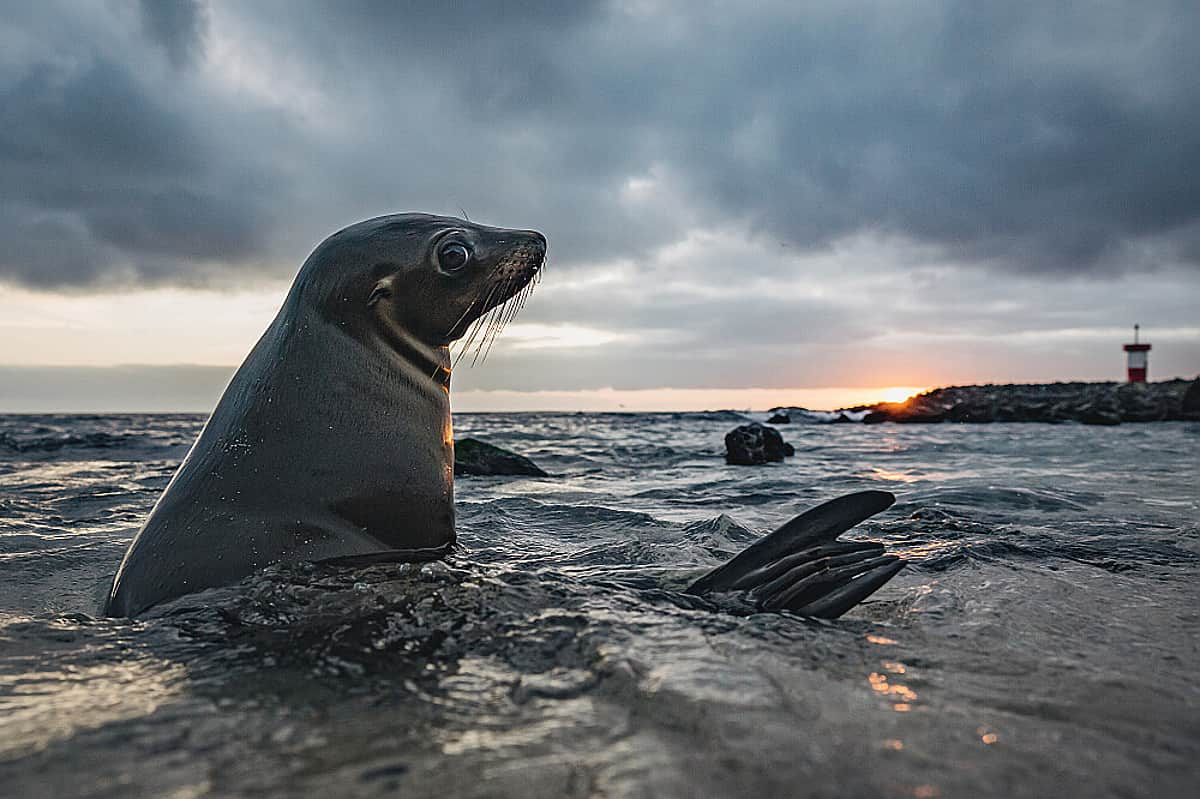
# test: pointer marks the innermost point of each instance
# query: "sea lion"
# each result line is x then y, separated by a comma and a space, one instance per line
333, 439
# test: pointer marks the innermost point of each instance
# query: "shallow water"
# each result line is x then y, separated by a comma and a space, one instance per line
1043, 641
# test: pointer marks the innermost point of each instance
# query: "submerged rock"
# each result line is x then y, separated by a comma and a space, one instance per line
780, 418
475, 457
754, 444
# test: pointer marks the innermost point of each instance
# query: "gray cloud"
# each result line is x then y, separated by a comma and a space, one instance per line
111, 171
1013, 164
1055, 139
178, 26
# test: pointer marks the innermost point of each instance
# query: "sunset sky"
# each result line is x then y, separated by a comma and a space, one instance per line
747, 204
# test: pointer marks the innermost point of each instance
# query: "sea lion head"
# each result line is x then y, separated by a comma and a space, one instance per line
417, 276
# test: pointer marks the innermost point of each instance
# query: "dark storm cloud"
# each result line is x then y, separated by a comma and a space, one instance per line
119, 179
109, 170
178, 26
1040, 138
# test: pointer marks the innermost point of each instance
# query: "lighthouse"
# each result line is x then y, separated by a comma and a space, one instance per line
1137, 358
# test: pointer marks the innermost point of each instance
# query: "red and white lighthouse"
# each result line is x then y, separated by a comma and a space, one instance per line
1138, 358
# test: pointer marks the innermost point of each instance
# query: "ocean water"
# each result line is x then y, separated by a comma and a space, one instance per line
1044, 640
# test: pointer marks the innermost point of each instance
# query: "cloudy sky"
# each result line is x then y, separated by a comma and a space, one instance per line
747, 203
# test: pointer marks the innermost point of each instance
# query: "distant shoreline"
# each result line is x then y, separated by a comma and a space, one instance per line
1108, 403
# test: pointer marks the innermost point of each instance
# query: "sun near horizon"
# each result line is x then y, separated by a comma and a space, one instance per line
900, 393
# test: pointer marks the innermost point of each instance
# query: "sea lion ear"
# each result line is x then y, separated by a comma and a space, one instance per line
382, 290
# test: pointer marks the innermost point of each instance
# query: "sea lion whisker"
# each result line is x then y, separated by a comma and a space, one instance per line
478, 324
488, 335
473, 330
476, 327
525, 293
502, 311
470, 307
466, 341
488, 326
511, 308
492, 317
502, 318
522, 296
483, 306
506, 293
495, 333
514, 304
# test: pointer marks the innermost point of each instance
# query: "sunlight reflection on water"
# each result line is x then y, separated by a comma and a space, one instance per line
42, 705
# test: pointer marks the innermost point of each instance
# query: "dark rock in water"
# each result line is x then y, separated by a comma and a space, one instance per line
910, 412
1099, 416
780, 418
1006, 412
1148, 414
1190, 405
918, 416
971, 412
753, 444
475, 457
1135, 403
842, 419
1038, 412
1062, 412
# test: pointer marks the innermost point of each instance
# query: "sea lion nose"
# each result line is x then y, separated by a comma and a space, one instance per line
539, 245
539, 240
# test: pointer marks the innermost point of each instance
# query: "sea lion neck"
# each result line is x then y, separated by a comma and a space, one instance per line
432, 360
389, 345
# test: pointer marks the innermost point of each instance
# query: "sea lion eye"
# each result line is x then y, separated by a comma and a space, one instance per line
453, 256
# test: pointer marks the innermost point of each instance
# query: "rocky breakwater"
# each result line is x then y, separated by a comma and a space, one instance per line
1086, 403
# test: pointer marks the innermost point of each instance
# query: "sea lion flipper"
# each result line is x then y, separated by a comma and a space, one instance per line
820, 525
802, 566
840, 600
825, 580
